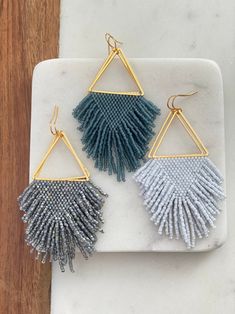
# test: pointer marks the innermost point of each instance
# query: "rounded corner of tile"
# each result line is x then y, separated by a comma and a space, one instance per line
40, 65
213, 65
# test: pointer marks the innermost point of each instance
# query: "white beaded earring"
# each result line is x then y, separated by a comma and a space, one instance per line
181, 192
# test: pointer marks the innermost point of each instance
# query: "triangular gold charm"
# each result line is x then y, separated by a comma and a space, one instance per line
116, 52
60, 135
172, 115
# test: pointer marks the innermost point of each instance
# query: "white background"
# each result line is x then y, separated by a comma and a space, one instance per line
150, 283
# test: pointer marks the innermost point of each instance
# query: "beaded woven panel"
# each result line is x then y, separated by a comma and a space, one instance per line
182, 196
116, 130
62, 216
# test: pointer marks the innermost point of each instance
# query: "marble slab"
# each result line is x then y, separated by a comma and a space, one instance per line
65, 82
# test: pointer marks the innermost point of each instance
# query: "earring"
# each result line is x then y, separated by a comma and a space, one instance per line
62, 214
181, 192
117, 126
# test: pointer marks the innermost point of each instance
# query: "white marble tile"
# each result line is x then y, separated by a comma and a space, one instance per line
139, 283
65, 81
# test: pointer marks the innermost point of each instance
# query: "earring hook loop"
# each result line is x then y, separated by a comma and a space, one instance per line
53, 120
171, 100
112, 42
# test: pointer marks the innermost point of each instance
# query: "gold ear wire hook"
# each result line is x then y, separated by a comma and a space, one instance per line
177, 112
116, 51
112, 42
60, 135
168, 102
173, 97
53, 120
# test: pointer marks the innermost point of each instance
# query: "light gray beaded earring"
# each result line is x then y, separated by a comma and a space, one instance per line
62, 214
181, 192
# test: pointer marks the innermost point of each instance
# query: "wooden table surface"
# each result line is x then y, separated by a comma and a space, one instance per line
29, 32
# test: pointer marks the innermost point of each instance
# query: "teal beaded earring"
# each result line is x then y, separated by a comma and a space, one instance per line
117, 126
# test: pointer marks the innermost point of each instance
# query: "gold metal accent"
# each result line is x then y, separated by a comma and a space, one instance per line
112, 42
57, 136
115, 51
177, 112
53, 120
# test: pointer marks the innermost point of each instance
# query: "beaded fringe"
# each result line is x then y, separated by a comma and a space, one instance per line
181, 195
60, 216
117, 130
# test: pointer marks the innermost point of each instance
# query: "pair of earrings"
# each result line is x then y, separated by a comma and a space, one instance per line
180, 192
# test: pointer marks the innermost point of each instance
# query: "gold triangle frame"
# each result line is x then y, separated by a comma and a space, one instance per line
177, 112
60, 135
117, 52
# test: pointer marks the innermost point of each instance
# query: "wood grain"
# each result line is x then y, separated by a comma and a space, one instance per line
28, 34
